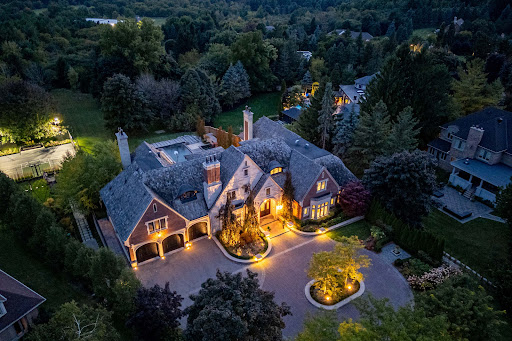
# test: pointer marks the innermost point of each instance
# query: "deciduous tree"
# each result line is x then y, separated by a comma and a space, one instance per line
354, 199
157, 313
232, 307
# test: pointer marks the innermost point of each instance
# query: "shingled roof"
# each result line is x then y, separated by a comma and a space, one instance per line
18, 300
337, 168
497, 125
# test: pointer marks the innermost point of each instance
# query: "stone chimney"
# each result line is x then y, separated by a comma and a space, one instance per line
474, 137
212, 185
248, 118
124, 149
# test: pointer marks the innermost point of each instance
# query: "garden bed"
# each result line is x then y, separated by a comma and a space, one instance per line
311, 225
319, 296
247, 251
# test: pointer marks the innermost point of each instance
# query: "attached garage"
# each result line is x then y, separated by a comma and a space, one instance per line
146, 252
197, 230
173, 242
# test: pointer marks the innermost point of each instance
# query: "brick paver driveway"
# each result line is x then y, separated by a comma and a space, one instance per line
283, 272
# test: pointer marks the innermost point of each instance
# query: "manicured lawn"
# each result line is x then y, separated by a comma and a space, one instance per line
30, 270
83, 116
38, 188
482, 244
261, 105
360, 228
423, 32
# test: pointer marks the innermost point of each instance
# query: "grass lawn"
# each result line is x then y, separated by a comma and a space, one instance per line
31, 271
38, 188
159, 21
261, 105
423, 32
83, 116
360, 228
481, 243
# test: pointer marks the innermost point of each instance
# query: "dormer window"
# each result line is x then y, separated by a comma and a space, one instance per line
186, 193
275, 167
450, 136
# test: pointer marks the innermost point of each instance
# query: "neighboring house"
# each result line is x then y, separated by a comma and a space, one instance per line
478, 150
353, 94
306, 54
353, 34
171, 192
111, 22
291, 115
18, 307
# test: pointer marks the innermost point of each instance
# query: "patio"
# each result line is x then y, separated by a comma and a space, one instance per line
456, 202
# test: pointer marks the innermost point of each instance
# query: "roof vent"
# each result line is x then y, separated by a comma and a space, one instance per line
466, 162
297, 142
306, 145
500, 119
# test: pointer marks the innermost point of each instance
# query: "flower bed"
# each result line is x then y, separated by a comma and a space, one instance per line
56, 143
247, 251
319, 296
434, 277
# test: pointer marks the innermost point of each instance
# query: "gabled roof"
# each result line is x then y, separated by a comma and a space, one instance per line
293, 113
126, 198
265, 128
337, 168
304, 173
264, 151
440, 144
497, 125
365, 80
230, 160
19, 300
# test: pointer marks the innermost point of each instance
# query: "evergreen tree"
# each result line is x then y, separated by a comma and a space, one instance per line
325, 116
391, 29
124, 106
472, 92
371, 133
251, 225
403, 135
197, 89
234, 85
307, 124
344, 133
307, 80
288, 196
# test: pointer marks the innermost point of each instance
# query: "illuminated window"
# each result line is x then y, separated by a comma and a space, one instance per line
320, 185
322, 210
332, 201
306, 211
156, 225
276, 170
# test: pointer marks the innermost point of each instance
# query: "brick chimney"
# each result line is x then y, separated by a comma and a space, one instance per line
474, 137
212, 185
124, 149
248, 118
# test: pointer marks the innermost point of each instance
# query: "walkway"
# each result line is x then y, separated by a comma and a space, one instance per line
283, 272
455, 201
83, 228
107, 230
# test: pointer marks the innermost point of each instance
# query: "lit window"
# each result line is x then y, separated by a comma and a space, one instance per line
154, 208
322, 210
267, 191
156, 225
276, 170
320, 185
332, 201
306, 211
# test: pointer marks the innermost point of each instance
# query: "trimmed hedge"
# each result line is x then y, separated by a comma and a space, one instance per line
420, 243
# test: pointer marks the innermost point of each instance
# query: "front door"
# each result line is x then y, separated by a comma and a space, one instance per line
265, 209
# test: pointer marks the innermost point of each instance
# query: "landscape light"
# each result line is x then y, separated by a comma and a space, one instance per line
258, 257
349, 287
321, 230
188, 245
163, 257
328, 298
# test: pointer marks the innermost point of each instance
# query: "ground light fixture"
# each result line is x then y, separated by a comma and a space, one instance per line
328, 298
349, 287
163, 257
321, 230
258, 257
188, 245
289, 224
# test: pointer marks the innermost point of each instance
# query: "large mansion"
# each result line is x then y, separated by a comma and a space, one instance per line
170, 193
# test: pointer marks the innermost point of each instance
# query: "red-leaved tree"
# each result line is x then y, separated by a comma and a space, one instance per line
354, 199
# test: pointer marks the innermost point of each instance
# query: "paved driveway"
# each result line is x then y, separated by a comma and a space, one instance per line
283, 272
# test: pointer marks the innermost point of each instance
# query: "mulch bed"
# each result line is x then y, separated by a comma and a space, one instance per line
318, 295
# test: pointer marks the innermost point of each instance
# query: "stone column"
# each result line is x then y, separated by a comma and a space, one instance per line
160, 249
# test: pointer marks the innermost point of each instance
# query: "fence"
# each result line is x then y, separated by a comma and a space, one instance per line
215, 132
467, 268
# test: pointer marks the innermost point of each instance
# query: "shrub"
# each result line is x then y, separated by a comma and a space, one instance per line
354, 199
431, 279
414, 266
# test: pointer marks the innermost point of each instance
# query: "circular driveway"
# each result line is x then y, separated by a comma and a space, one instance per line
283, 272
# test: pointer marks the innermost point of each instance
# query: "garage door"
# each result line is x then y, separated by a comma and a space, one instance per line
147, 251
172, 242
